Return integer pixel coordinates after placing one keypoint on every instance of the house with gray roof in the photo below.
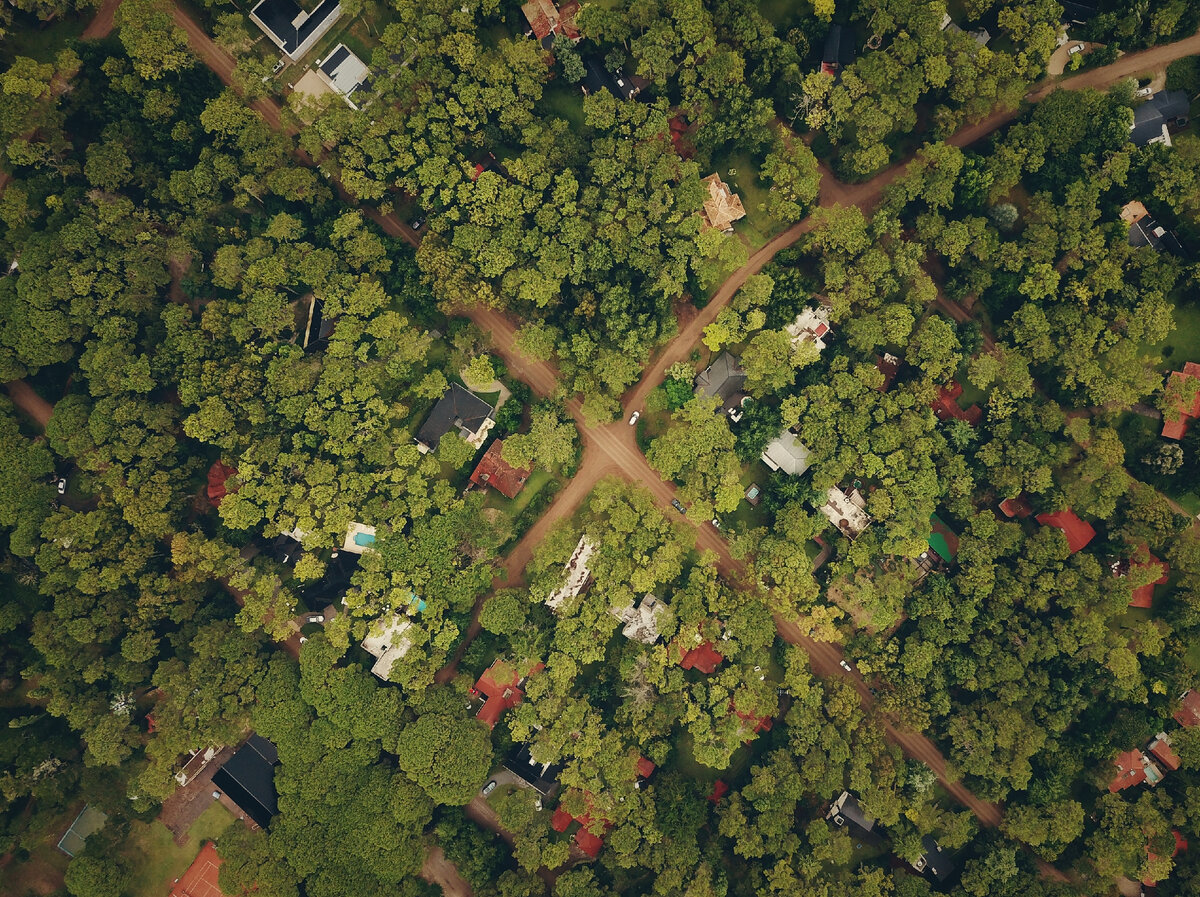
(1154, 120)
(723, 379)
(457, 409)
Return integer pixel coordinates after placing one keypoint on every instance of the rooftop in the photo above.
(1184, 385)
(501, 685)
(787, 453)
(1161, 748)
(811, 326)
(577, 573)
(546, 20)
(248, 779)
(1078, 532)
(1153, 118)
(457, 409)
(642, 621)
(704, 657)
(1188, 714)
(1133, 768)
(218, 474)
(946, 406)
(722, 207)
(492, 470)
(722, 379)
(846, 511)
(292, 28)
(344, 72)
(387, 643)
(847, 809)
(1016, 507)
(541, 777)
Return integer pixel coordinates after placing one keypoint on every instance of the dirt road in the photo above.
(437, 870)
(30, 402)
(102, 26)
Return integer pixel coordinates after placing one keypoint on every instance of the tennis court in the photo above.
(88, 822)
(200, 880)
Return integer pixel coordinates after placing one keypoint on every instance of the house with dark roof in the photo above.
(937, 862)
(292, 28)
(1078, 532)
(723, 379)
(597, 78)
(492, 470)
(1154, 119)
(838, 50)
(1185, 385)
(541, 777)
(248, 779)
(847, 811)
(461, 410)
(1145, 231)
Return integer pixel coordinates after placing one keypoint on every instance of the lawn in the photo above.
(514, 506)
(565, 100)
(155, 857)
(780, 13)
(1183, 343)
(746, 516)
(741, 174)
(42, 41)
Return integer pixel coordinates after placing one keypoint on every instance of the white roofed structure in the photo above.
(577, 573)
(810, 326)
(787, 453)
(846, 511)
(387, 643)
(642, 621)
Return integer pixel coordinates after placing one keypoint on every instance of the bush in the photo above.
(1184, 74)
(679, 393)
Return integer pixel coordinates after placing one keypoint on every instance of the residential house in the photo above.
(723, 379)
(387, 642)
(644, 769)
(492, 470)
(701, 656)
(1188, 714)
(577, 574)
(943, 540)
(293, 29)
(541, 777)
(547, 20)
(597, 77)
(360, 538)
(846, 511)
(838, 51)
(1019, 507)
(1180, 846)
(461, 410)
(1078, 532)
(889, 366)
(1185, 385)
(195, 764)
(1077, 13)
(939, 863)
(1143, 595)
(981, 35)
(810, 326)
(1133, 768)
(946, 406)
(847, 811)
(218, 477)
(1161, 748)
(722, 206)
(644, 621)
(787, 453)
(248, 779)
(1145, 231)
(317, 328)
(500, 687)
(343, 73)
(1154, 119)
(586, 840)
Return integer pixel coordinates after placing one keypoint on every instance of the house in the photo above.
(586, 840)
(1154, 119)
(546, 20)
(838, 51)
(723, 379)
(810, 326)
(1145, 231)
(457, 409)
(1161, 748)
(597, 78)
(1133, 768)
(938, 862)
(847, 811)
(943, 540)
(1188, 714)
(293, 29)
(1016, 507)
(248, 779)
(946, 406)
(541, 777)
(341, 72)
(1078, 532)
(720, 789)
(317, 328)
(1181, 845)
(195, 764)
(889, 366)
(703, 657)
(500, 685)
(386, 642)
(787, 453)
(846, 511)
(754, 724)
(577, 572)
(217, 489)
(980, 35)
(722, 206)
(1143, 595)
(1077, 13)
(645, 768)
(1185, 387)
(359, 538)
(643, 622)
(492, 470)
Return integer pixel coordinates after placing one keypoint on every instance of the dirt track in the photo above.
(102, 26)
(30, 402)
(439, 871)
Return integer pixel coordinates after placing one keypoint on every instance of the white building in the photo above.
(387, 643)
(847, 512)
(810, 326)
(787, 453)
(643, 622)
(577, 573)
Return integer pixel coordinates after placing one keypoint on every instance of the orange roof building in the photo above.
(1016, 507)
(1188, 714)
(1186, 382)
(492, 470)
(946, 406)
(704, 658)
(720, 789)
(200, 879)
(1143, 596)
(546, 19)
(1133, 768)
(1161, 748)
(217, 475)
(1181, 845)
(722, 207)
(1078, 532)
(645, 768)
(501, 684)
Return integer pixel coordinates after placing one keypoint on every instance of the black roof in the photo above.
(330, 588)
(723, 378)
(1077, 12)
(847, 809)
(521, 764)
(598, 78)
(937, 861)
(334, 59)
(278, 15)
(1148, 232)
(248, 778)
(839, 46)
(1164, 108)
(457, 407)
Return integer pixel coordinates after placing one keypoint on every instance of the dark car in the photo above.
(677, 505)
(418, 222)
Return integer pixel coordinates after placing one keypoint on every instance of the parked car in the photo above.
(1078, 48)
(716, 523)
(418, 222)
(316, 618)
(1144, 92)
(845, 666)
(303, 639)
(489, 787)
(677, 505)
(633, 418)
(62, 486)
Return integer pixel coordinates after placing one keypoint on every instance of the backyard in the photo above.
(157, 860)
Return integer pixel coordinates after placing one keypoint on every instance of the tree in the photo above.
(479, 373)
(447, 755)
(502, 614)
(698, 451)
(549, 442)
(153, 41)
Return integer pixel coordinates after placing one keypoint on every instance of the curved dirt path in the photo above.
(30, 402)
(102, 25)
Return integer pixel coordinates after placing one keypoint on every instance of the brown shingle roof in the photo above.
(723, 206)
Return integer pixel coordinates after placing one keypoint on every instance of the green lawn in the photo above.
(514, 506)
(565, 100)
(780, 13)
(43, 41)
(741, 174)
(1183, 343)
(155, 857)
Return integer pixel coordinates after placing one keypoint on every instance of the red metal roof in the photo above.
(1177, 429)
(1016, 507)
(1188, 714)
(493, 470)
(645, 768)
(1143, 596)
(561, 820)
(501, 688)
(589, 843)
(1164, 752)
(217, 475)
(1078, 532)
(704, 658)
(200, 879)
(1130, 771)
(946, 406)
(1180, 846)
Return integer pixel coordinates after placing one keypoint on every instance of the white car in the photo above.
(633, 418)
(845, 666)
(317, 618)
(1145, 92)
(1078, 48)
(62, 487)
(489, 787)
(303, 639)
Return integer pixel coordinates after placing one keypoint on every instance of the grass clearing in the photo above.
(43, 40)
(155, 857)
(1183, 343)
(513, 506)
(566, 101)
(740, 172)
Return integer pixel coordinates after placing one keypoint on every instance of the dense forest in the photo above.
(228, 311)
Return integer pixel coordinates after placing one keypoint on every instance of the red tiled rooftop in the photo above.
(1016, 507)
(561, 820)
(1130, 771)
(1180, 846)
(1143, 596)
(1188, 411)
(200, 879)
(704, 658)
(589, 843)
(645, 768)
(500, 683)
(761, 723)
(1188, 714)
(1078, 532)
(946, 406)
(493, 470)
(217, 475)
(1164, 752)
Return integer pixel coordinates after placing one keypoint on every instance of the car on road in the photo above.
(316, 618)
(62, 486)
(845, 666)
(633, 418)
(1078, 48)
(489, 787)
(677, 505)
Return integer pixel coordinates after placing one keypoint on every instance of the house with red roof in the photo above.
(645, 768)
(1161, 748)
(547, 20)
(946, 406)
(218, 474)
(492, 470)
(1143, 595)
(1078, 532)
(1188, 714)
(704, 657)
(1185, 387)
(755, 724)
(1018, 507)
(500, 686)
(1133, 768)
(585, 840)
(1180, 846)
(720, 789)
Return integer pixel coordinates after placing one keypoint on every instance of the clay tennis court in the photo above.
(200, 880)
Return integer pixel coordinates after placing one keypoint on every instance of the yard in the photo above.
(43, 41)
(565, 100)
(741, 174)
(157, 860)
(1183, 343)
(1140, 435)
(514, 506)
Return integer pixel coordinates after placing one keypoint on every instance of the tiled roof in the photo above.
(1078, 532)
(723, 206)
(704, 658)
(492, 470)
(1188, 714)
(1185, 380)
